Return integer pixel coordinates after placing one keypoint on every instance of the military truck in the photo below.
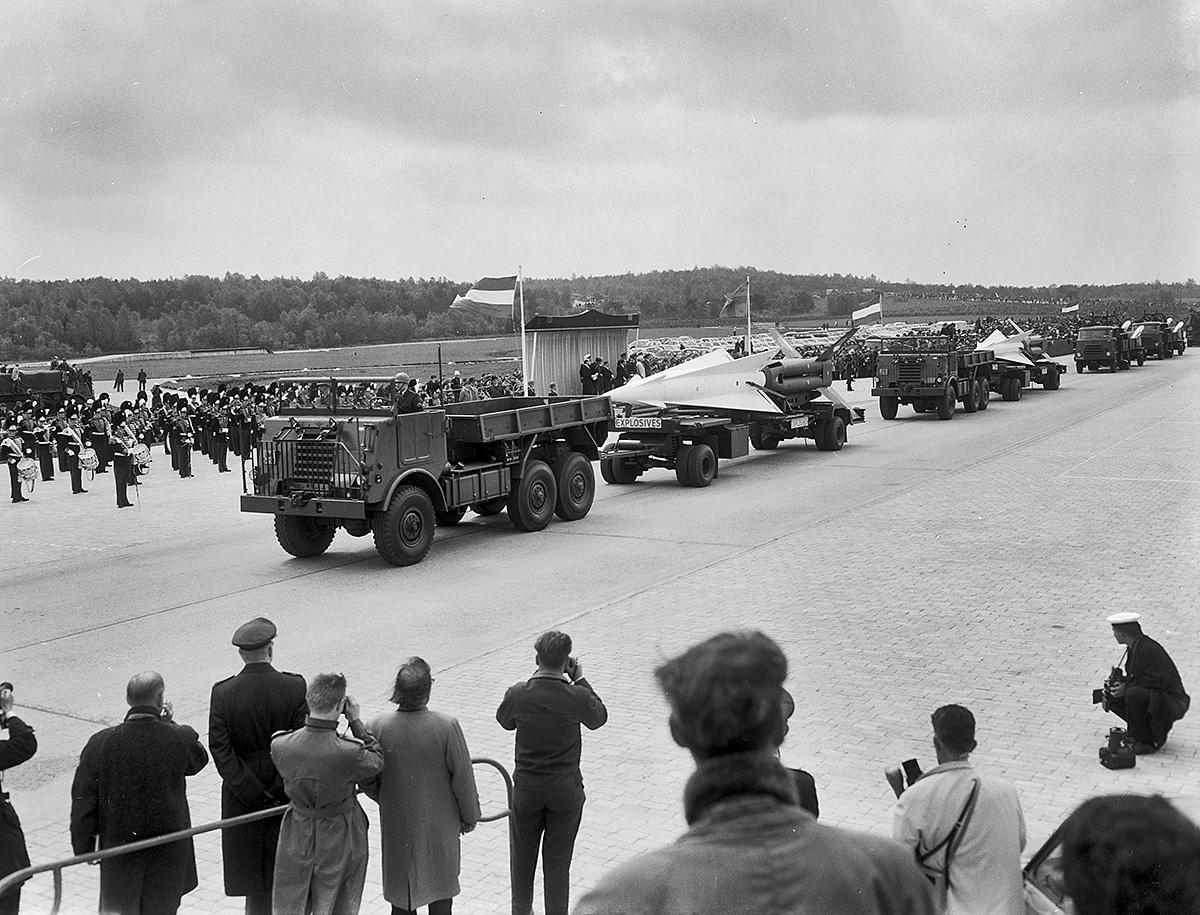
(1162, 336)
(396, 476)
(933, 374)
(1108, 345)
(52, 388)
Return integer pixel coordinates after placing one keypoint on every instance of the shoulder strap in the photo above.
(954, 837)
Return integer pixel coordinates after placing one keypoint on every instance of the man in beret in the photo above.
(246, 709)
(750, 847)
(1151, 698)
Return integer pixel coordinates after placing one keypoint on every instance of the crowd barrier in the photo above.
(57, 867)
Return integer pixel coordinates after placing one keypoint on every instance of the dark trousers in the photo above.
(122, 476)
(437, 907)
(1134, 709)
(63, 466)
(100, 446)
(15, 479)
(46, 459)
(184, 455)
(533, 824)
(221, 451)
(76, 474)
(13, 856)
(141, 883)
(171, 446)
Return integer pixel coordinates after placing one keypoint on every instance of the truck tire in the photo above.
(970, 399)
(1141, 359)
(404, 532)
(531, 503)
(945, 407)
(888, 405)
(619, 471)
(919, 406)
(695, 465)
(490, 507)
(302, 536)
(576, 486)
(1053, 379)
(761, 441)
(450, 516)
(831, 434)
(984, 393)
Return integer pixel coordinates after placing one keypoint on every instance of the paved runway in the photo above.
(928, 562)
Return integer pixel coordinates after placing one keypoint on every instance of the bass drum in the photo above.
(88, 460)
(27, 471)
(139, 457)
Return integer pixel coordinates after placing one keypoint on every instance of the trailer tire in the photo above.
(576, 486)
(490, 507)
(695, 466)
(985, 394)
(945, 407)
(404, 531)
(888, 406)
(1010, 389)
(970, 400)
(762, 442)
(619, 471)
(531, 503)
(831, 434)
(302, 536)
(1053, 380)
(449, 517)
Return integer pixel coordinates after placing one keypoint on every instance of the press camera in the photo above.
(903, 775)
(1118, 753)
(1102, 695)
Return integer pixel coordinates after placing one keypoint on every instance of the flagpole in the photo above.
(749, 350)
(524, 362)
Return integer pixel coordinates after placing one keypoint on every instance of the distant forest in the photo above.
(75, 318)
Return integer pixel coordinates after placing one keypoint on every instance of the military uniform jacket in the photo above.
(20, 746)
(245, 711)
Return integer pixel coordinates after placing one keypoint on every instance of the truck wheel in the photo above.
(762, 441)
(888, 405)
(576, 486)
(945, 407)
(919, 406)
(1010, 389)
(619, 471)
(831, 434)
(984, 393)
(531, 503)
(970, 400)
(695, 465)
(449, 517)
(302, 536)
(1052, 380)
(404, 533)
(1141, 359)
(1079, 367)
(490, 507)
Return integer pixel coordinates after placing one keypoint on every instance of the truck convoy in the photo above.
(397, 476)
(1162, 336)
(933, 373)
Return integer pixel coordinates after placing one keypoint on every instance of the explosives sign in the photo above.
(637, 422)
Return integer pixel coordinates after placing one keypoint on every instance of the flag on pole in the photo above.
(490, 297)
(735, 303)
(875, 308)
(1067, 309)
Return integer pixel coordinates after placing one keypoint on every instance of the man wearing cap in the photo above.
(12, 449)
(1151, 698)
(407, 398)
(245, 710)
(587, 375)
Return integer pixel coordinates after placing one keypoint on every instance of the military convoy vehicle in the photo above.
(1021, 362)
(398, 475)
(933, 374)
(51, 388)
(1108, 345)
(1162, 336)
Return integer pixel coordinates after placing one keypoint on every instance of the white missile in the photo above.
(1010, 349)
(714, 381)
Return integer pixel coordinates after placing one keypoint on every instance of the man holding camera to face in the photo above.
(1148, 695)
(20, 746)
(546, 711)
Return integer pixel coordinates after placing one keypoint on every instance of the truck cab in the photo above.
(1105, 346)
(933, 374)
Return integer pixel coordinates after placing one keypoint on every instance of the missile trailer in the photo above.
(1009, 379)
(933, 374)
(397, 476)
(693, 440)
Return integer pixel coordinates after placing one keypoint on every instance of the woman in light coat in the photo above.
(426, 794)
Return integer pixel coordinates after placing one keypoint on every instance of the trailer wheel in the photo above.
(1141, 358)
(945, 407)
(576, 486)
(970, 399)
(1053, 379)
(695, 465)
(490, 507)
(302, 536)
(888, 405)
(831, 434)
(449, 517)
(985, 394)
(762, 442)
(404, 533)
(531, 503)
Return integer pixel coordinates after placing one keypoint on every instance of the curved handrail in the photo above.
(95, 857)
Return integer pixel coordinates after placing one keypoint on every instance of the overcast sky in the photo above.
(1011, 141)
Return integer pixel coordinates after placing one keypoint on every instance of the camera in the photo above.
(1118, 753)
(903, 775)
(1100, 696)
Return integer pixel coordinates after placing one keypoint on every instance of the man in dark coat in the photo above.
(20, 746)
(130, 785)
(245, 711)
(1152, 698)
(587, 375)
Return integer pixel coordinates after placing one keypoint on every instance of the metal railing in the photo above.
(17, 878)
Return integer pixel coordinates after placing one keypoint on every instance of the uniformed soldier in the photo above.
(12, 449)
(121, 443)
(407, 399)
(245, 711)
(70, 443)
(186, 436)
(18, 748)
(321, 864)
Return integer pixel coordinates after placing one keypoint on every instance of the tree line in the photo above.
(95, 316)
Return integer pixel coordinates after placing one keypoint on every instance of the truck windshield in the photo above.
(1095, 333)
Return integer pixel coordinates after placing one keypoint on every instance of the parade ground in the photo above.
(929, 562)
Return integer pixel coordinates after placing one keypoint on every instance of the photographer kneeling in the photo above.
(1149, 694)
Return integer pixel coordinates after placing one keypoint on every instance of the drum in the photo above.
(139, 457)
(27, 471)
(88, 460)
